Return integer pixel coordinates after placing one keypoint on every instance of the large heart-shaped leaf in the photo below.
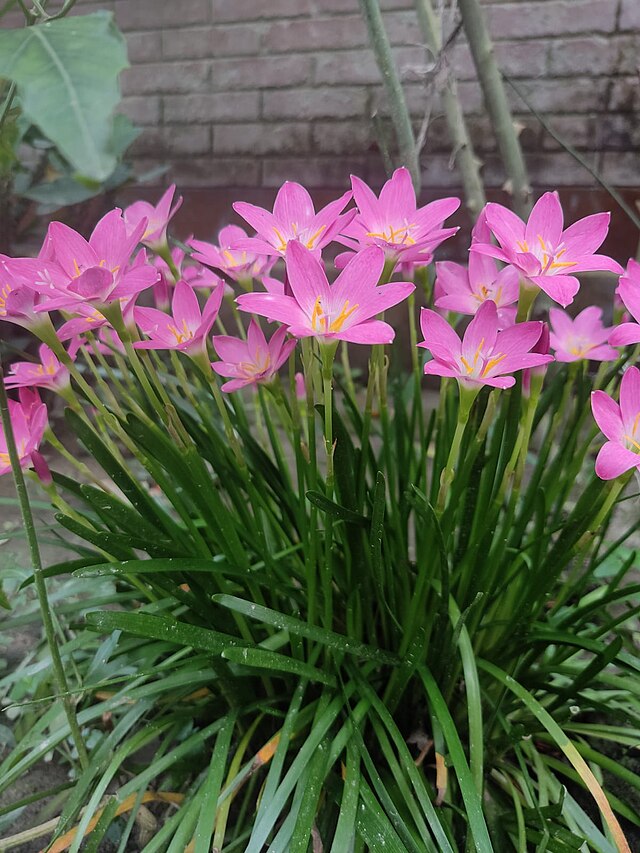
(67, 72)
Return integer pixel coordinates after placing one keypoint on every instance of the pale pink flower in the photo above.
(395, 223)
(186, 327)
(582, 337)
(156, 218)
(294, 219)
(621, 425)
(29, 421)
(629, 292)
(238, 264)
(49, 372)
(543, 253)
(485, 353)
(252, 361)
(342, 311)
(464, 289)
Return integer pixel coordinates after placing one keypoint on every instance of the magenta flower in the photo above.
(186, 328)
(18, 302)
(543, 253)
(621, 425)
(252, 361)
(238, 264)
(393, 222)
(583, 337)
(485, 354)
(194, 274)
(156, 219)
(293, 220)
(530, 373)
(464, 289)
(95, 271)
(29, 421)
(629, 292)
(48, 373)
(342, 311)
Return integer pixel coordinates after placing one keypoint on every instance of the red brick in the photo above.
(261, 139)
(168, 141)
(260, 72)
(359, 66)
(630, 15)
(326, 102)
(218, 172)
(147, 14)
(618, 132)
(625, 95)
(596, 55)
(158, 78)
(579, 131)
(341, 137)
(315, 34)
(551, 18)
(144, 47)
(211, 107)
(312, 171)
(257, 10)
(578, 94)
(621, 168)
(142, 110)
(210, 41)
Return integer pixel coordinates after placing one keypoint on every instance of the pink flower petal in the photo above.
(586, 235)
(545, 222)
(398, 197)
(630, 398)
(508, 228)
(607, 415)
(624, 334)
(613, 460)
(306, 277)
(439, 337)
(292, 205)
(369, 332)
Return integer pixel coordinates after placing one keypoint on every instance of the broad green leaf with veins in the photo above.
(67, 72)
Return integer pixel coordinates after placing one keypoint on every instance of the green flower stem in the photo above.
(164, 252)
(41, 588)
(366, 430)
(82, 469)
(467, 396)
(202, 361)
(528, 295)
(346, 366)
(328, 352)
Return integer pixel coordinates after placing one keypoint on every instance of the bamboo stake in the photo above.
(463, 152)
(399, 112)
(497, 105)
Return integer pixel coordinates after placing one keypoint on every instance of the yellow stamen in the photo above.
(344, 314)
(316, 316)
(491, 364)
(283, 243)
(632, 441)
(77, 268)
(523, 245)
(477, 352)
(635, 423)
(4, 293)
(562, 264)
(310, 242)
(466, 364)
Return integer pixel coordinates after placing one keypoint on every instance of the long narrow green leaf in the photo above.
(295, 626)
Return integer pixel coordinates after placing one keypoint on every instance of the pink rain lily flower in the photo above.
(186, 327)
(583, 337)
(194, 274)
(395, 223)
(29, 421)
(342, 311)
(629, 292)
(48, 373)
(294, 219)
(252, 361)
(95, 271)
(621, 425)
(156, 218)
(18, 302)
(536, 373)
(544, 254)
(238, 264)
(485, 354)
(465, 289)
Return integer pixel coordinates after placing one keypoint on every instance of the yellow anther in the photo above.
(523, 245)
(466, 364)
(477, 352)
(344, 314)
(633, 442)
(310, 242)
(283, 243)
(317, 316)
(635, 423)
(493, 362)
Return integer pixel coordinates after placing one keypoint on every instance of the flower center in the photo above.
(321, 321)
(182, 334)
(481, 366)
(397, 236)
(4, 293)
(631, 440)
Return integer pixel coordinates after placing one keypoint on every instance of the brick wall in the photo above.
(249, 92)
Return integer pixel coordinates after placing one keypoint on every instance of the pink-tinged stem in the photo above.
(41, 588)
